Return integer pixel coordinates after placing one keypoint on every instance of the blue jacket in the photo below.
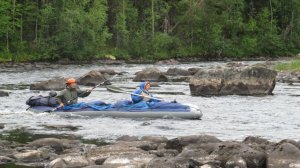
(136, 98)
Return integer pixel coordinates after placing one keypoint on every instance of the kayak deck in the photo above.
(193, 113)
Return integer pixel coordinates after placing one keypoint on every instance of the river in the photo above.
(274, 117)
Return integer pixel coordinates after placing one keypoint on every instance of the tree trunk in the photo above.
(36, 31)
(7, 41)
(152, 11)
(166, 25)
(14, 10)
(191, 25)
(21, 29)
(123, 10)
(124, 24)
(271, 10)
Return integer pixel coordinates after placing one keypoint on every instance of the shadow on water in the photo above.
(12, 165)
(14, 86)
(24, 136)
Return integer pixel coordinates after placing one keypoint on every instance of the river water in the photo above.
(274, 117)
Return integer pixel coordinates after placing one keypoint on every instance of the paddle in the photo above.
(118, 90)
(90, 90)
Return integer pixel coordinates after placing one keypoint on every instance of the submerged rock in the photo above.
(2, 125)
(229, 81)
(53, 84)
(62, 127)
(3, 93)
(150, 74)
(108, 71)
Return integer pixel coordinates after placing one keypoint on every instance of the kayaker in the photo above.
(142, 94)
(70, 94)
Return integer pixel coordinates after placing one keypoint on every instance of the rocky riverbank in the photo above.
(196, 151)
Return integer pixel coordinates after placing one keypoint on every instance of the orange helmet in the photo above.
(70, 81)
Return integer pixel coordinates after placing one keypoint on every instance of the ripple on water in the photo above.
(229, 117)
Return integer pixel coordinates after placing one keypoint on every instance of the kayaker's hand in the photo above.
(107, 82)
(60, 105)
(90, 90)
(143, 95)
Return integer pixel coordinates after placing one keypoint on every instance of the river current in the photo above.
(274, 117)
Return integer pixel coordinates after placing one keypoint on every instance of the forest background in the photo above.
(50, 30)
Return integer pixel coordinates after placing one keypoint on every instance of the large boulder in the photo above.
(285, 155)
(92, 78)
(57, 144)
(167, 62)
(5, 159)
(233, 81)
(177, 162)
(154, 139)
(234, 154)
(178, 72)
(3, 94)
(199, 155)
(131, 159)
(53, 84)
(194, 70)
(259, 144)
(180, 142)
(150, 74)
(128, 138)
(289, 77)
(31, 156)
(69, 161)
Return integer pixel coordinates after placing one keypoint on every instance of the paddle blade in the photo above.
(114, 89)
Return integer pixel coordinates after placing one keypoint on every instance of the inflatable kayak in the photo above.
(125, 109)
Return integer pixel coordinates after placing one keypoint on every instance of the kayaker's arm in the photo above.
(136, 97)
(60, 97)
(153, 100)
(83, 93)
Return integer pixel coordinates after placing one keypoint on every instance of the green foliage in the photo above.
(147, 29)
(292, 66)
(162, 46)
(5, 56)
(5, 18)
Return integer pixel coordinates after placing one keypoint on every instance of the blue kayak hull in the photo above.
(193, 113)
